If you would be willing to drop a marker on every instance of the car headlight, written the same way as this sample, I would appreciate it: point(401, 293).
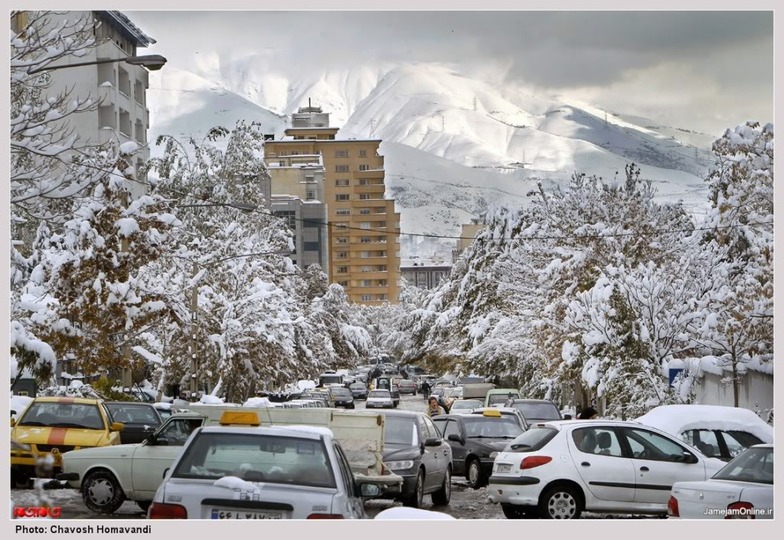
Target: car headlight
point(399, 465)
point(493, 455)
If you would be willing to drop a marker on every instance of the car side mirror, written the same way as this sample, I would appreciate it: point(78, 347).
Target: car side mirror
point(433, 441)
point(688, 457)
point(456, 438)
point(13, 420)
point(567, 417)
point(116, 426)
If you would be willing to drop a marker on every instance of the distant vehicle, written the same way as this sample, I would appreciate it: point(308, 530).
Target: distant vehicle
point(460, 406)
point(535, 410)
point(407, 386)
point(379, 399)
point(139, 420)
point(743, 489)
point(475, 440)
point(499, 396)
point(359, 390)
point(477, 390)
point(302, 470)
point(506, 411)
point(558, 469)
point(319, 396)
point(717, 431)
point(343, 398)
point(330, 377)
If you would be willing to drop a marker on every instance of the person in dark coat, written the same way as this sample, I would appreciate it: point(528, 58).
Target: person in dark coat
point(589, 413)
point(425, 390)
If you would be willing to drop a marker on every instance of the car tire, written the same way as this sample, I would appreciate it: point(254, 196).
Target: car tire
point(415, 499)
point(101, 492)
point(474, 474)
point(561, 501)
point(444, 495)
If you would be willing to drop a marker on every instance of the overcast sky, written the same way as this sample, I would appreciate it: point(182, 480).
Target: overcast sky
point(693, 69)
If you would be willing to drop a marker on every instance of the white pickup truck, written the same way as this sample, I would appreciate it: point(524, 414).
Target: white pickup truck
point(134, 471)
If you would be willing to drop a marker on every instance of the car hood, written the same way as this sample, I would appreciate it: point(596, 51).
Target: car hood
point(54, 436)
point(90, 454)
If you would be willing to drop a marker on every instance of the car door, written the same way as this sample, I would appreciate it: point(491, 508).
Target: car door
point(150, 460)
point(659, 462)
point(433, 457)
point(606, 471)
point(354, 506)
point(453, 426)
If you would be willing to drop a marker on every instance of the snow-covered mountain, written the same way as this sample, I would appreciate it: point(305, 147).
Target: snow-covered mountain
point(453, 144)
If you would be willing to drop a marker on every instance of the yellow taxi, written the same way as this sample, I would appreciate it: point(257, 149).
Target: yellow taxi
point(51, 426)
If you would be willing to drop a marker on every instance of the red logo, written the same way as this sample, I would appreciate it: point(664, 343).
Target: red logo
point(38, 512)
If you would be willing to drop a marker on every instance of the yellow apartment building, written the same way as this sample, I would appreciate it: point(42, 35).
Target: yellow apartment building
point(362, 226)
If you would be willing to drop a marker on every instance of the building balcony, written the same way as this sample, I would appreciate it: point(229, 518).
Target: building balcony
point(370, 174)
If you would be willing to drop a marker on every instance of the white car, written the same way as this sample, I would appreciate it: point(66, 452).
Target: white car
point(109, 475)
point(743, 489)
point(716, 430)
point(559, 469)
point(286, 472)
point(379, 399)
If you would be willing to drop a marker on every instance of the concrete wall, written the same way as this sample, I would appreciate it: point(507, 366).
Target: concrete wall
point(756, 391)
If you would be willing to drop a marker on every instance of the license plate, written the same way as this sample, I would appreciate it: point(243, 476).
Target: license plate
point(242, 514)
point(504, 467)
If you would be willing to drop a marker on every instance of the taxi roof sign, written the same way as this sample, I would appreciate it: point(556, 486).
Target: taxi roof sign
point(492, 412)
point(242, 418)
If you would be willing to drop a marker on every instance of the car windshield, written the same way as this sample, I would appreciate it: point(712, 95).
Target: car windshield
point(357, 386)
point(63, 414)
point(491, 428)
point(753, 465)
point(133, 414)
point(341, 392)
point(538, 411)
point(257, 458)
point(400, 430)
point(382, 394)
point(466, 404)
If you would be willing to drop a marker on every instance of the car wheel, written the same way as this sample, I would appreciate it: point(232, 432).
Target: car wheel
point(443, 495)
point(102, 493)
point(515, 511)
point(560, 502)
point(474, 474)
point(415, 500)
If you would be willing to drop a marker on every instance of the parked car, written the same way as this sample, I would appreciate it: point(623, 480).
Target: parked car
point(106, 477)
point(222, 473)
point(499, 396)
point(475, 440)
point(359, 390)
point(559, 469)
point(506, 411)
point(460, 406)
point(323, 397)
point(717, 431)
point(51, 426)
point(535, 410)
point(342, 397)
point(407, 386)
point(743, 489)
point(379, 399)
point(139, 420)
point(415, 450)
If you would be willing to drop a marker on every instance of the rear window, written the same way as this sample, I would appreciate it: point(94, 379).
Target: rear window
point(497, 428)
point(379, 394)
point(538, 411)
point(532, 440)
point(257, 458)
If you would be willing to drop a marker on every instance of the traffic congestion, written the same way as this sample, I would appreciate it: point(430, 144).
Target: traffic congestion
point(355, 444)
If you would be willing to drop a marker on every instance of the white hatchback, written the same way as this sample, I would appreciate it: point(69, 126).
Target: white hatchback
point(237, 473)
point(559, 469)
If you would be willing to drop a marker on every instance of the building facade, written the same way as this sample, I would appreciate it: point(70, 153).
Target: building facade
point(363, 228)
point(119, 88)
point(424, 276)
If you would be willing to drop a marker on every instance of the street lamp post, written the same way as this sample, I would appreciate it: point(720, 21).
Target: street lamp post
point(153, 62)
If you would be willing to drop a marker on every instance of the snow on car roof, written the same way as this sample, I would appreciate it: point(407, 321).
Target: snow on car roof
point(676, 419)
point(274, 430)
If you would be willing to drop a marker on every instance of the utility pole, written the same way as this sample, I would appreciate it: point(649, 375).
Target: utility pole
point(192, 333)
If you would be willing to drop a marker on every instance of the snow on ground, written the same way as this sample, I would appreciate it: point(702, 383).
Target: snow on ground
point(676, 419)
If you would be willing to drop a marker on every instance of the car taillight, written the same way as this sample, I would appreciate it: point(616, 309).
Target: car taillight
point(534, 461)
point(325, 516)
point(672, 507)
point(167, 511)
point(740, 510)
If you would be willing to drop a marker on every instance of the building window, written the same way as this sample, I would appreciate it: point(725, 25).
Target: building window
point(341, 240)
point(341, 197)
point(341, 168)
point(341, 153)
point(364, 211)
point(343, 212)
point(342, 269)
point(343, 283)
point(341, 255)
point(364, 167)
point(364, 197)
point(289, 217)
point(341, 182)
point(363, 153)
point(364, 225)
point(311, 195)
point(366, 297)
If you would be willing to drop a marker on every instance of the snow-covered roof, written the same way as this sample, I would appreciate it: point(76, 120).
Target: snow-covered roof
point(676, 419)
point(121, 21)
